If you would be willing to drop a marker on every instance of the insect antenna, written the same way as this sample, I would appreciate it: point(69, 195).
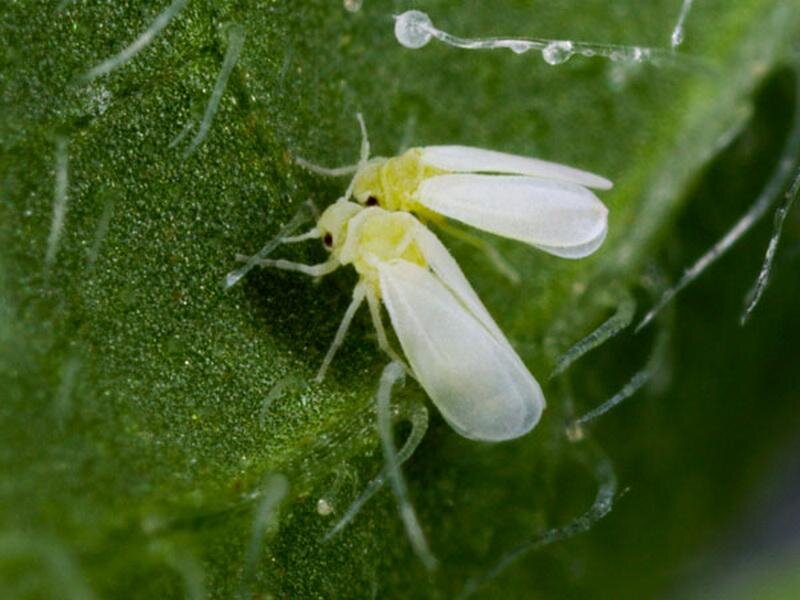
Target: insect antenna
point(311, 234)
point(327, 171)
point(364, 154)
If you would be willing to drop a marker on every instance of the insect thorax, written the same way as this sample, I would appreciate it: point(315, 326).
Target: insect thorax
point(377, 236)
point(393, 182)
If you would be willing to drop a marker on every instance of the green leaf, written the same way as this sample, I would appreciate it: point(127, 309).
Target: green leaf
point(140, 439)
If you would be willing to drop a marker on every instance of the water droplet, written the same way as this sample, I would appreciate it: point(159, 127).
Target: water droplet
point(413, 29)
point(519, 47)
point(556, 53)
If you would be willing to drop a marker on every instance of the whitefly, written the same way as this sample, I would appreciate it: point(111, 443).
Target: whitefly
point(451, 344)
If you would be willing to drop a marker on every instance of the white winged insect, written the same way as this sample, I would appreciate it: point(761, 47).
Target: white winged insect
point(544, 204)
point(454, 348)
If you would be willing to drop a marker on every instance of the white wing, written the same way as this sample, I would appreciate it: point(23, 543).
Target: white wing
point(580, 251)
point(480, 385)
point(447, 270)
point(464, 159)
point(561, 218)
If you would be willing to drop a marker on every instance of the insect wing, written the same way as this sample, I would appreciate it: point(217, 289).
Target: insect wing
point(465, 159)
point(447, 270)
point(579, 251)
point(480, 385)
point(561, 218)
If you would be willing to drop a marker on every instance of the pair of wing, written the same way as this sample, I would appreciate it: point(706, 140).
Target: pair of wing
point(455, 349)
point(537, 202)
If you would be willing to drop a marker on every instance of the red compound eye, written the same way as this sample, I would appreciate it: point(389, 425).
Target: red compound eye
point(328, 240)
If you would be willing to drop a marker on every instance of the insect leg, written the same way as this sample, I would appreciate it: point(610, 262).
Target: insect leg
point(494, 256)
point(383, 341)
point(358, 298)
point(317, 270)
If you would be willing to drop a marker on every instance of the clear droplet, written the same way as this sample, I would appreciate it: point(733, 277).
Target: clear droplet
point(413, 29)
point(556, 53)
point(519, 47)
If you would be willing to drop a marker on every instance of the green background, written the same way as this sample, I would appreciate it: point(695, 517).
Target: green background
point(135, 441)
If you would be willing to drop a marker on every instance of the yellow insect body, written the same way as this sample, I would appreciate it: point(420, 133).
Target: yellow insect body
point(392, 183)
point(366, 237)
